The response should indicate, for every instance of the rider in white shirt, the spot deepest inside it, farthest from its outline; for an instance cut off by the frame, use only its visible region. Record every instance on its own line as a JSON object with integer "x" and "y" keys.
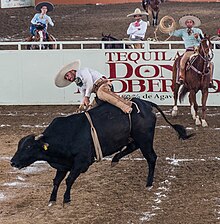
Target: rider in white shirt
{"x": 137, "y": 29}
{"x": 41, "y": 19}
{"x": 90, "y": 81}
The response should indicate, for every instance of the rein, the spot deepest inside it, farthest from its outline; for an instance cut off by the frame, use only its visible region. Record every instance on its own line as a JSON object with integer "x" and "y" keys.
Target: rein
{"x": 205, "y": 58}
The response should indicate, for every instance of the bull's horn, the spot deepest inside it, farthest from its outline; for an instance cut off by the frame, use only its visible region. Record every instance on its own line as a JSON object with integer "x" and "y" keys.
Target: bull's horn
{"x": 38, "y": 137}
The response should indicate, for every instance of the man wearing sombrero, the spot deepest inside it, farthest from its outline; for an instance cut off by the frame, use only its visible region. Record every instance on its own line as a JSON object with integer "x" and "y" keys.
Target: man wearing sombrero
{"x": 191, "y": 36}
{"x": 90, "y": 81}
{"x": 137, "y": 29}
{"x": 41, "y": 18}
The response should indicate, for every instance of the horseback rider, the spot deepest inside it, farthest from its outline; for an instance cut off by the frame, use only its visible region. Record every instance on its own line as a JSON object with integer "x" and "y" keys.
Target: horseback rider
{"x": 41, "y": 20}
{"x": 90, "y": 81}
{"x": 191, "y": 36}
{"x": 137, "y": 29}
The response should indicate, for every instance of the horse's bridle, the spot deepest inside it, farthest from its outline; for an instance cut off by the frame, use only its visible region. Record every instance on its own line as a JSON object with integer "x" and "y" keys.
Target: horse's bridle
{"x": 206, "y": 58}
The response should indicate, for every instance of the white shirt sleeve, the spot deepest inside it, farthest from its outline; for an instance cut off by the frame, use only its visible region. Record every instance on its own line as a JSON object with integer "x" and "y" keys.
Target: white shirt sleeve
{"x": 87, "y": 82}
{"x": 50, "y": 21}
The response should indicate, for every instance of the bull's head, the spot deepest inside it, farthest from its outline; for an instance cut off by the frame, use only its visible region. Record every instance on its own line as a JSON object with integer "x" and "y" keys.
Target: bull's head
{"x": 30, "y": 149}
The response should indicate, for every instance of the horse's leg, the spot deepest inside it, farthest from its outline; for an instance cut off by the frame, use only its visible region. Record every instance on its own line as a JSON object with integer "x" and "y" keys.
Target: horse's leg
{"x": 175, "y": 96}
{"x": 194, "y": 106}
{"x": 147, "y": 11}
{"x": 176, "y": 87}
{"x": 192, "y": 110}
{"x": 204, "y": 99}
{"x": 156, "y": 17}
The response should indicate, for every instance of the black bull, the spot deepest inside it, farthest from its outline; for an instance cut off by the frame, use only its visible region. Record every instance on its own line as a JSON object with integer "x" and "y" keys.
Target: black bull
{"x": 67, "y": 145}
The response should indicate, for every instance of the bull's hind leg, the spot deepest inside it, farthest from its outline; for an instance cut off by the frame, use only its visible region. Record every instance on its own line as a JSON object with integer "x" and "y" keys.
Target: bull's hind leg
{"x": 131, "y": 147}
{"x": 60, "y": 175}
{"x": 146, "y": 147}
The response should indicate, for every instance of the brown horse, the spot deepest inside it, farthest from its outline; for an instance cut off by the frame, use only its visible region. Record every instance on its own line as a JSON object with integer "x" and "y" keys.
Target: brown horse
{"x": 197, "y": 78}
{"x": 41, "y": 37}
{"x": 153, "y": 6}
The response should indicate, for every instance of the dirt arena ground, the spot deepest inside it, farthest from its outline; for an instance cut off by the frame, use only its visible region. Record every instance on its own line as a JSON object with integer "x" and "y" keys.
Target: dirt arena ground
{"x": 186, "y": 187}
{"x": 88, "y": 22}
{"x": 187, "y": 178}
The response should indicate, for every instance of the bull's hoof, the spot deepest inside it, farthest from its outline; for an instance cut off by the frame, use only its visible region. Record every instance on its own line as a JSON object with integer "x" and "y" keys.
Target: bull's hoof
{"x": 66, "y": 204}
{"x": 149, "y": 187}
{"x": 51, "y": 203}
{"x": 113, "y": 164}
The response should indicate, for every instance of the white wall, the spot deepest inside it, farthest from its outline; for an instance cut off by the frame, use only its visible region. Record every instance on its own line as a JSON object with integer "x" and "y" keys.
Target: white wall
{"x": 27, "y": 76}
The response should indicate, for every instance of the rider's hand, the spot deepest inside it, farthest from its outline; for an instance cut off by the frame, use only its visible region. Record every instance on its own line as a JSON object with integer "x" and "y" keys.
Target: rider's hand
{"x": 196, "y": 35}
{"x": 86, "y": 101}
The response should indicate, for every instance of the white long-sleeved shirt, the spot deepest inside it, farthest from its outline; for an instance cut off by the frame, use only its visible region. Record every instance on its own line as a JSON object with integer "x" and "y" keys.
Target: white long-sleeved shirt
{"x": 189, "y": 40}
{"x": 137, "y": 29}
{"x": 45, "y": 20}
{"x": 88, "y": 77}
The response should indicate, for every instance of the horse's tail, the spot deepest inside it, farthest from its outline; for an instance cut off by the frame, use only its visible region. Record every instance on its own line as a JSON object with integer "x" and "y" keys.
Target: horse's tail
{"x": 178, "y": 128}
{"x": 183, "y": 93}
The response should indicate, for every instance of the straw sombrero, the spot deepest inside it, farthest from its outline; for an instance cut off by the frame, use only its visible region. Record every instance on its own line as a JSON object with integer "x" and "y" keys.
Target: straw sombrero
{"x": 50, "y": 6}
{"x": 59, "y": 79}
{"x": 195, "y": 19}
{"x": 137, "y": 11}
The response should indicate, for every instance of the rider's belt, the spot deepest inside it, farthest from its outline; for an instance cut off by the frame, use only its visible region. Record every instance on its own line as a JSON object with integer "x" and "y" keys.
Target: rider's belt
{"x": 98, "y": 83}
{"x": 190, "y": 49}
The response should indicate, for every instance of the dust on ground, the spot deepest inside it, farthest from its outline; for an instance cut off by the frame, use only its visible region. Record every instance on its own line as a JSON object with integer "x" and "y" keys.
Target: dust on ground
{"x": 186, "y": 185}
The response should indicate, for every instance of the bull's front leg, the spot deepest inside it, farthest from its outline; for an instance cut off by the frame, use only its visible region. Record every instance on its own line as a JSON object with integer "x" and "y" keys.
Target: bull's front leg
{"x": 80, "y": 166}
{"x": 60, "y": 175}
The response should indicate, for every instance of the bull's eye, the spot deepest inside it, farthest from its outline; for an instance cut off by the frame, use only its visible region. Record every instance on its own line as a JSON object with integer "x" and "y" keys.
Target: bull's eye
{"x": 28, "y": 147}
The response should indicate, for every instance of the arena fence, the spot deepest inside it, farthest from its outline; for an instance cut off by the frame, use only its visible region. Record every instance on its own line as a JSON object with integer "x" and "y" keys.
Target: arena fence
{"x": 27, "y": 76}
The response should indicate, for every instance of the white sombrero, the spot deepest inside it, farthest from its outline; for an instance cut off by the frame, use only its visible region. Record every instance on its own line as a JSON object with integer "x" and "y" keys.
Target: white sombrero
{"x": 50, "y": 6}
{"x": 59, "y": 79}
{"x": 195, "y": 19}
{"x": 137, "y": 11}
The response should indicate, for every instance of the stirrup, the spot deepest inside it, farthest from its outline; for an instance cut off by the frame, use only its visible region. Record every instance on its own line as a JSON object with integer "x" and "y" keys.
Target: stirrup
{"x": 211, "y": 85}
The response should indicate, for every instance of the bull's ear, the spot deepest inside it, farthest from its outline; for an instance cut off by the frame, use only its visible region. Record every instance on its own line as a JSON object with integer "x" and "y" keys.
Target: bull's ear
{"x": 45, "y": 146}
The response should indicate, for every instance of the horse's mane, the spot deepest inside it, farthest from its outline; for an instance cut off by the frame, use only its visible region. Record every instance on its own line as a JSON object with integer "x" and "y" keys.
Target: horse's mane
{"x": 108, "y": 37}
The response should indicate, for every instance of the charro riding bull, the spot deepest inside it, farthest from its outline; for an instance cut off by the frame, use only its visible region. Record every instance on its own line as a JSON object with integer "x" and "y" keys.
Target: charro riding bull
{"x": 68, "y": 146}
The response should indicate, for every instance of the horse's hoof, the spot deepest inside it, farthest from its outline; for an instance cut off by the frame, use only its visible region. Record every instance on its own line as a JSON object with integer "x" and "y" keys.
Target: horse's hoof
{"x": 204, "y": 123}
{"x": 174, "y": 113}
{"x": 51, "y": 203}
{"x": 198, "y": 122}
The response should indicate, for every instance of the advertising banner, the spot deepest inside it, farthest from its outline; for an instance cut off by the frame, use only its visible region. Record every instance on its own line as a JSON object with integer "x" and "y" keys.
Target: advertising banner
{"x": 143, "y": 73}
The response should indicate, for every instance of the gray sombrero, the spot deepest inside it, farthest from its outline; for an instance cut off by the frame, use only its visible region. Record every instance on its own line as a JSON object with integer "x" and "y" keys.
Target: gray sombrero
{"x": 195, "y": 19}
{"x": 50, "y": 6}
{"x": 59, "y": 79}
{"x": 136, "y": 12}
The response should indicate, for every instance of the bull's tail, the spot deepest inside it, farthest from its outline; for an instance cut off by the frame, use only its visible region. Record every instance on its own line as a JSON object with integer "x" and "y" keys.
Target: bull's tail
{"x": 178, "y": 128}
{"x": 183, "y": 92}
